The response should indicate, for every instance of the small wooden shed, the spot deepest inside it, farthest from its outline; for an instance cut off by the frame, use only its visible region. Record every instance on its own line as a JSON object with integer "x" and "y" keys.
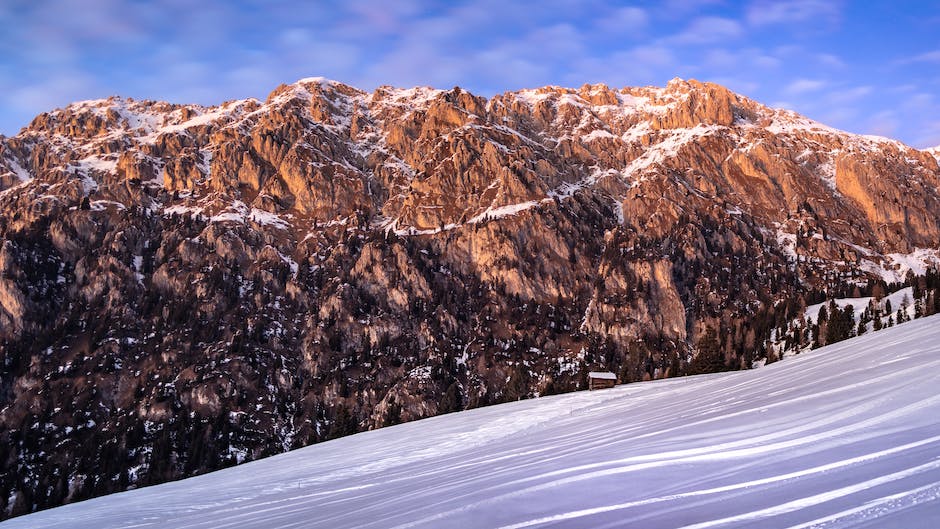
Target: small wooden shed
{"x": 601, "y": 380}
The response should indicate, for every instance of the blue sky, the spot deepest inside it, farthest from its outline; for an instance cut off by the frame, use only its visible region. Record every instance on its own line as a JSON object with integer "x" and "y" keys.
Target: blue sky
{"x": 867, "y": 67}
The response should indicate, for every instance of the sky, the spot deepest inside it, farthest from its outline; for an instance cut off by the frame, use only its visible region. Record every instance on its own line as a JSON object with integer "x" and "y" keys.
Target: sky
{"x": 864, "y": 66}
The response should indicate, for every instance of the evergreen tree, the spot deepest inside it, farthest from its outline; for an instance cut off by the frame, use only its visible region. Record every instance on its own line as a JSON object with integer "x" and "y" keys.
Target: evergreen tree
{"x": 518, "y": 386}
{"x": 878, "y": 291}
{"x": 392, "y": 413}
{"x": 848, "y": 320}
{"x": 841, "y": 324}
{"x": 709, "y": 359}
{"x": 451, "y": 401}
{"x": 343, "y": 423}
{"x": 675, "y": 368}
{"x": 818, "y": 338}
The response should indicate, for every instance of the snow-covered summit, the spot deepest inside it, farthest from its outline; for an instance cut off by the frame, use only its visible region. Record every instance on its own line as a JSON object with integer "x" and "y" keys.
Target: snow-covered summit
{"x": 935, "y": 151}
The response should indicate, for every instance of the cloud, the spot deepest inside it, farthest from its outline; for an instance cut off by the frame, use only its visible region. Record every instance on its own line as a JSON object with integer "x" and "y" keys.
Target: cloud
{"x": 884, "y": 123}
{"x": 719, "y": 59}
{"x": 768, "y": 62}
{"x": 723, "y": 60}
{"x": 929, "y": 136}
{"x": 384, "y": 17}
{"x": 706, "y": 30}
{"x": 679, "y": 8}
{"x": 919, "y": 102}
{"x": 769, "y": 12}
{"x": 639, "y": 65}
{"x": 624, "y": 20}
{"x": 930, "y": 56}
{"x": 56, "y": 90}
{"x": 840, "y": 117}
{"x": 504, "y": 71}
{"x": 803, "y": 86}
{"x": 844, "y": 96}
{"x": 915, "y": 117}
{"x": 303, "y": 53}
{"x": 829, "y": 60}
{"x": 78, "y": 20}
{"x": 857, "y": 93}
{"x": 295, "y": 37}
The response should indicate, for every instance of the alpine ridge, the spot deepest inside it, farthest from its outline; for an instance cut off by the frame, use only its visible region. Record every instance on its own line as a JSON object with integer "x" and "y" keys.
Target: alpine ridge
{"x": 183, "y": 288}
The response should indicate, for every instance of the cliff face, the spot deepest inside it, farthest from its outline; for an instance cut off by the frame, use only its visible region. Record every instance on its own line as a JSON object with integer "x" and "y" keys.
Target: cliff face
{"x": 183, "y": 288}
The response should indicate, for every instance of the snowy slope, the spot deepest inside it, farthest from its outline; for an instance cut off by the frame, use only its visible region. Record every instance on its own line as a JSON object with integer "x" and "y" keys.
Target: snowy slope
{"x": 897, "y": 299}
{"x": 843, "y": 436}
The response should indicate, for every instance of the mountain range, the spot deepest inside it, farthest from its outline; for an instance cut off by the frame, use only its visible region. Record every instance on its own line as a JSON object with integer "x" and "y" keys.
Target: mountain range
{"x": 184, "y": 288}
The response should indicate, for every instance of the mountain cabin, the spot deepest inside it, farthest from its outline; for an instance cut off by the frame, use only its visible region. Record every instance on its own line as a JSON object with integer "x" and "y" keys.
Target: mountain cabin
{"x": 601, "y": 380}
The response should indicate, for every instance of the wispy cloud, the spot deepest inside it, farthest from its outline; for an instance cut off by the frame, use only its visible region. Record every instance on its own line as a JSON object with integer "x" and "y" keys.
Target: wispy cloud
{"x": 930, "y": 56}
{"x": 639, "y": 65}
{"x": 919, "y": 102}
{"x": 730, "y": 60}
{"x": 928, "y": 136}
{"x": 706, "y": 30}
{"x": 678, "y": 8}
{"x": 385, "y": 17}
{"x": 624, "y": 20}
{"x": 803, "y": 86}
{"x": 850, "y": 95}
{"x": 884, "y": 123}
{"x": 768, "y": 12}
{"x": 830, "y": 60}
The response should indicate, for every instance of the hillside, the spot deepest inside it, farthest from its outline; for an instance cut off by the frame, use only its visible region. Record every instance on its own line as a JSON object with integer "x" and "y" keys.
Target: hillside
{"x": 186, "y": 288}
{"x": 843, "y": 436}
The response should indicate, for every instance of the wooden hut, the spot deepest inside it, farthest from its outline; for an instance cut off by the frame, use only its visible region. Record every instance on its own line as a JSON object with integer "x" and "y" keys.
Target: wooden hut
{"x": 601, "y": 380}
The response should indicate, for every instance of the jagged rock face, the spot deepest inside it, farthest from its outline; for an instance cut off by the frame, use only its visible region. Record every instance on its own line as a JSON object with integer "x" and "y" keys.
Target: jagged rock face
{"x": 184, "y": 288}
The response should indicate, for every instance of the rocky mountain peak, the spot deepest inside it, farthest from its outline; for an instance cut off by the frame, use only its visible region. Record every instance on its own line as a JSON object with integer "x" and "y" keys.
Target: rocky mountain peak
{"x": 407, "y": 137}
{"x": 934, "y": 151}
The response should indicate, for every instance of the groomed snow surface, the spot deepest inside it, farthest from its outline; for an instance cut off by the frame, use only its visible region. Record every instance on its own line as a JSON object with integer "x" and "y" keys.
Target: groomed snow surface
{"x": 843, "y": 436}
